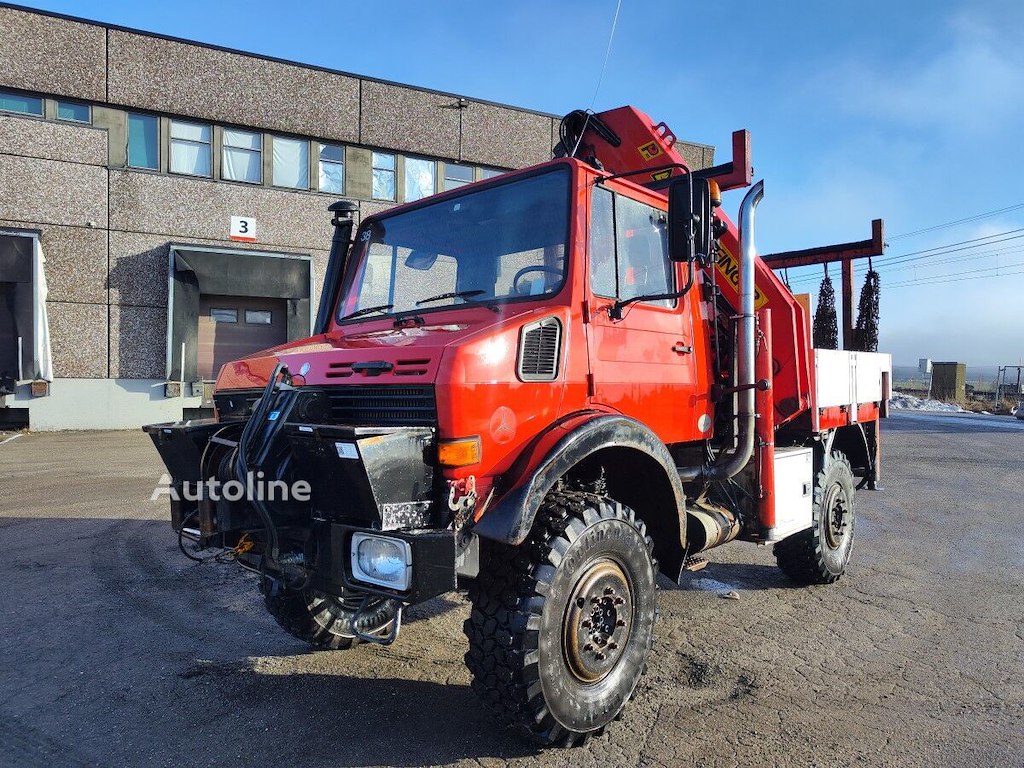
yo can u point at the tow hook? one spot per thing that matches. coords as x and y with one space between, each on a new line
462 494
389 638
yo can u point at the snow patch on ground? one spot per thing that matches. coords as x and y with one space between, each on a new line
911 403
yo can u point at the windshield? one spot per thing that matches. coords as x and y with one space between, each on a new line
497 244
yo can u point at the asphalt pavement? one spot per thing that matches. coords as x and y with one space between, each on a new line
117 651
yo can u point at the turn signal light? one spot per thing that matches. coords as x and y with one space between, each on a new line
459 453
716 193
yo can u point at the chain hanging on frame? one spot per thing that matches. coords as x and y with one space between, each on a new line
865 335
826 325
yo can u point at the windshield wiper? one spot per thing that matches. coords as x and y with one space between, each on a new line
451 295
366 311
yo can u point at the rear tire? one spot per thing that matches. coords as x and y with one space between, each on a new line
561 626
820 554
325 621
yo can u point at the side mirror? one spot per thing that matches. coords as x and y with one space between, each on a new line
689 218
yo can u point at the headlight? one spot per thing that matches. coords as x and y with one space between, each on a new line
381 560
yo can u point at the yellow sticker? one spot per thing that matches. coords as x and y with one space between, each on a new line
650 150
661 175
729 268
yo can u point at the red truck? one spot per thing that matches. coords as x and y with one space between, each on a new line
545 387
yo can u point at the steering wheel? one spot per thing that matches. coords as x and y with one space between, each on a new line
527 270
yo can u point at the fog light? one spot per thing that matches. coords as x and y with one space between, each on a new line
381 560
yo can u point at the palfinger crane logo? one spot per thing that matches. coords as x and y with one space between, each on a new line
650 150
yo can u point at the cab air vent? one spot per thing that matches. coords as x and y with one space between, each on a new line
539 346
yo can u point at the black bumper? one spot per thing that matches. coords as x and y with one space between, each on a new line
433 563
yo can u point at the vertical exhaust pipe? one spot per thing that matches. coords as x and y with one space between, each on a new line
745 346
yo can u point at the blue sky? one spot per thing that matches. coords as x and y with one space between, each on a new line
910 111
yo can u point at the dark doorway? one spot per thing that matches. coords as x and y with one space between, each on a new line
231 327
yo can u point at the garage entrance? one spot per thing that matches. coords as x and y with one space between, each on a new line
225 304
231 327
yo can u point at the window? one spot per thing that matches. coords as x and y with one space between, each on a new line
73 112
490 173
142 142
242 156
258 316
18 102
291 163
629 249
419 178
383 176
332 168
224 315
190 148
507 243
602 244
641 246
456 176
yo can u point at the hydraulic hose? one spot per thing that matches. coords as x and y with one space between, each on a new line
746 341
242 462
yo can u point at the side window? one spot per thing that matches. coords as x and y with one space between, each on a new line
602 244
641 239
142 141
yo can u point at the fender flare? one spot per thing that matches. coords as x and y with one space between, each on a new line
557 450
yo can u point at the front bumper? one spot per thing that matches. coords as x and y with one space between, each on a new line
376 481
433 563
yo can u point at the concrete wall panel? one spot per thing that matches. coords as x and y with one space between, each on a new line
181 78
102 404
78 339
138 342
76 263
29 137
504 137
410 120
53 56
51 192
186 208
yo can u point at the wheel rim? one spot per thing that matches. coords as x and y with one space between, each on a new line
597 621
838 516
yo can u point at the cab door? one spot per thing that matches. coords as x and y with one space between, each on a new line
643 365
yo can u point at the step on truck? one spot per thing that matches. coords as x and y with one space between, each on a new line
545 388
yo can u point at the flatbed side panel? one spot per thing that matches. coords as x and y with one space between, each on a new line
849 378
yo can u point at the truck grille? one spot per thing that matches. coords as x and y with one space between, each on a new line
370 405
383 405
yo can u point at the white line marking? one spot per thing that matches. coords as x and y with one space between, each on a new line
12 437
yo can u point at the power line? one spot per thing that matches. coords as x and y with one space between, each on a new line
939 250
954 279
966 220
803 280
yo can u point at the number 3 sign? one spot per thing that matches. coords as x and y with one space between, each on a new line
243 228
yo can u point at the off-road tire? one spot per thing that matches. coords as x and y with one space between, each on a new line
325 621
820 554
527 600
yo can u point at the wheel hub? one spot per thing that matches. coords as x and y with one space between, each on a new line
838 517
597 621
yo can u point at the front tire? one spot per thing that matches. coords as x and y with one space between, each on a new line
324 621
561 626
820 554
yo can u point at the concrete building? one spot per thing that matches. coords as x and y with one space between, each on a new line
178 193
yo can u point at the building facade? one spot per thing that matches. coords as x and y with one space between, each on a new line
163 205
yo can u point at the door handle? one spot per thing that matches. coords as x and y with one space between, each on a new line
682 349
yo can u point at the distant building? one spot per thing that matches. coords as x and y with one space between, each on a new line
125 158
949 382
